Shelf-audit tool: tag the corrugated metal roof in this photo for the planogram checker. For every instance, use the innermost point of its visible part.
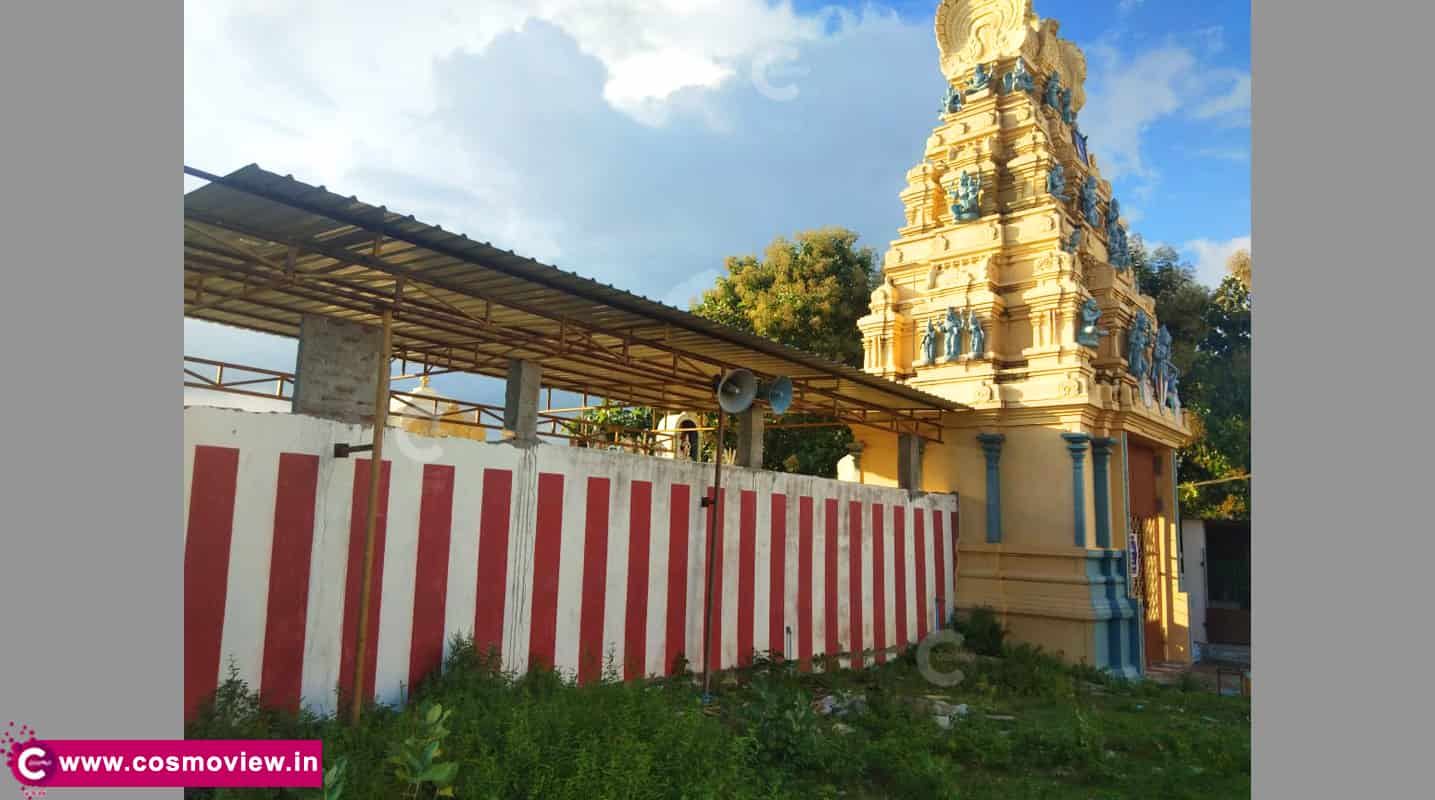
(262, 250)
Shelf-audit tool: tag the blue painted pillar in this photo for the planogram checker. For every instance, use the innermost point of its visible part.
(992, 447)
(1100, 461)
(1076, 444)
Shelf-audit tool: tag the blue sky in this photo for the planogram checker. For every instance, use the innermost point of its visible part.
(639, 142)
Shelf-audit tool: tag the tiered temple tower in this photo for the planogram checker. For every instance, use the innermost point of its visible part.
(1010, 290)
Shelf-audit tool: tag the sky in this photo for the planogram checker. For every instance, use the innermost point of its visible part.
(640, 142)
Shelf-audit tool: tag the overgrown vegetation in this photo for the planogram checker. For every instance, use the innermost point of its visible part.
(1031, 728)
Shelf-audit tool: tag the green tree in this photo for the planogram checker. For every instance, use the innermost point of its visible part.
(1223, 374)
(806, 292)
(1210, 346)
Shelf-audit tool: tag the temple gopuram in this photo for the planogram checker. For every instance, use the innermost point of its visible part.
(1010, 290)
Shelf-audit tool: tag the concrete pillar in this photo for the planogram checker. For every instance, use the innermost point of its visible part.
(1076, 445)
(336, 372)
(909, 461)
(992, 449)
(520, 401)
(1100, 466)
(750, 425)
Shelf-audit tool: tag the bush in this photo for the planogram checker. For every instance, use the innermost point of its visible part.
(982, 631)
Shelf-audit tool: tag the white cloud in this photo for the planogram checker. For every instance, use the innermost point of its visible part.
(1129, 93)
(1126, 96)
(1231, 108)
(1128, 5)
(1210, 256)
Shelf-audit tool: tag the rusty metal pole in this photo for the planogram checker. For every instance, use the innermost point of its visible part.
(713, 520)
(376, 465)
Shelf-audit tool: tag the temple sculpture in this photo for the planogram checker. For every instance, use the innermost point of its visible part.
(929, 343)
(981, 77)
(965, 199)
(952, 102)
(978, 336)
(1088, 202)
(1018, 79)
(952, 330)
(1056, 181)
(1088, 334)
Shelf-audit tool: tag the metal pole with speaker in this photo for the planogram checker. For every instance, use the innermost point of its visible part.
(736, 391)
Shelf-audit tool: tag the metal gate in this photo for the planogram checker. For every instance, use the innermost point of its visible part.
(1148, 582)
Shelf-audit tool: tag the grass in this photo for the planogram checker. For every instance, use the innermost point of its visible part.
(1035, 729)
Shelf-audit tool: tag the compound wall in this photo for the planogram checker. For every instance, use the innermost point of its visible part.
(570, 557)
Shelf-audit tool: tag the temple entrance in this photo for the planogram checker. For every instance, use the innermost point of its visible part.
(1147, 523)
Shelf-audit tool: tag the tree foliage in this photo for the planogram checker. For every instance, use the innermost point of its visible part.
(805, 292)
(1211, 347)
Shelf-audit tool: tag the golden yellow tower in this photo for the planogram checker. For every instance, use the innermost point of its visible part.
(1009, 289)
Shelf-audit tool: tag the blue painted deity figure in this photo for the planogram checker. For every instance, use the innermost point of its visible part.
(964, 205)
(978, 336)
(981, 76)
(1052, 98)
(1019, 79)
(1173, 395)
(929, 343)
(952, 102)
(1072, 242)
(1067, 115)
(1117, 249)
(953, 332)
(1136, 341)
(1056, 180)
(1088, 202)
(1161, 362)
(1088, 334)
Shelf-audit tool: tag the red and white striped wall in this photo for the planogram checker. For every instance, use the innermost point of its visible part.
(566, 556)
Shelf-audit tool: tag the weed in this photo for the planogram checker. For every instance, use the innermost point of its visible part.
(982, 631)
(414, 760)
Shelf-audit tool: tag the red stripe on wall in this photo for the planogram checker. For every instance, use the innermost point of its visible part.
(899, 568)
(547, 550)
(493, 520)
(924, 605)
(831, 613)
(635, 643)
(854, 580)
(431, 572)
(777, 593)
(289, 560)
(206, 569)
(746, 574)
(679, 507)
(715, 612)
(805, 558)
(939, 546)
(595, 582)
(956, 554)
(879, 584)
(358, 518)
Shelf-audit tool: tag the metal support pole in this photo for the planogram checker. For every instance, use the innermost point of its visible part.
(714, 503)
(376, 464)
